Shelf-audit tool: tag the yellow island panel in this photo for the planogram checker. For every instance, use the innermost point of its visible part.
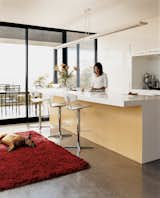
(116, 128)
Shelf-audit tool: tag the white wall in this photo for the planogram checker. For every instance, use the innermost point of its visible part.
(141, 65)
(115, 52)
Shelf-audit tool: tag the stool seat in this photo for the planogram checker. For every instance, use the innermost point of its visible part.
(36, 100)
(76, 107)
(58, 105)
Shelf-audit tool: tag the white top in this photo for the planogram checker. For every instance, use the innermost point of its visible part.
(99, 81)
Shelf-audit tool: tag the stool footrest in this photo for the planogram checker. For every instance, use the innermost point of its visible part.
(82, 147)
(38, 126)
(58, 135)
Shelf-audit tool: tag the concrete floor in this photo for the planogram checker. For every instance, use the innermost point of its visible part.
(110, 176)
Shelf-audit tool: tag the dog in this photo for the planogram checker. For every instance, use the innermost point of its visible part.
(14, 141)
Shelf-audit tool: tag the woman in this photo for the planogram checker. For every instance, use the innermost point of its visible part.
(99, 81)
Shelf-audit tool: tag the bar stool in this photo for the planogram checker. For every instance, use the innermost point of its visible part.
(37, 100)
(60, 133)
(70, 98)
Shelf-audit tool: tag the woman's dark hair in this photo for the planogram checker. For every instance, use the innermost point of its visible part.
(99, 66)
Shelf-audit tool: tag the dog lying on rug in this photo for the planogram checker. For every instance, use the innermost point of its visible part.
(15, 140)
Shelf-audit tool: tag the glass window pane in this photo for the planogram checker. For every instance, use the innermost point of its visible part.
(71, 36)
(44, 38)
(59, 57)
(12, 75)
(87, 58)
(72, 62)
(12, 34)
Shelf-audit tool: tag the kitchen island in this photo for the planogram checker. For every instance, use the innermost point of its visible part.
(126, 124)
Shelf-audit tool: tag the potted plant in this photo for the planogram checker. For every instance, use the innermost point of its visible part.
(40, 82)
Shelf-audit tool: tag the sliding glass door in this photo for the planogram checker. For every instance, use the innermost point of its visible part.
(27, 64)
(40, 65)
(12, 73)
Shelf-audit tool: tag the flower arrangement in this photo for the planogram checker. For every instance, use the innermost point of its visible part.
(64, 73)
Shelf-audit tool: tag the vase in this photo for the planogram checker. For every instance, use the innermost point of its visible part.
(64, 84)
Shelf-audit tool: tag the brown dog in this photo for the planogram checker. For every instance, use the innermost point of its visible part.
(15, 140)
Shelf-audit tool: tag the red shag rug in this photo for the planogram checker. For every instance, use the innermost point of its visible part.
(27, 165)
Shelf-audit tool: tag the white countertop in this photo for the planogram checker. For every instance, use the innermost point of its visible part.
(110, 98)
(149, 92)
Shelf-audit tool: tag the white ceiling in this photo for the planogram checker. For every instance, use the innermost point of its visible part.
(69, 14)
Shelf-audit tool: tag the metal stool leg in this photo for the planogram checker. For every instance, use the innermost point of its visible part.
(78, 130)
(36, 109)
(40, 117)
(60, 134)
(79, 147)
(59, 122)
(39, 126)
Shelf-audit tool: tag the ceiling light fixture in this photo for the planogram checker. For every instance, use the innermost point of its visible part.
(98, 35)
(87, 16)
